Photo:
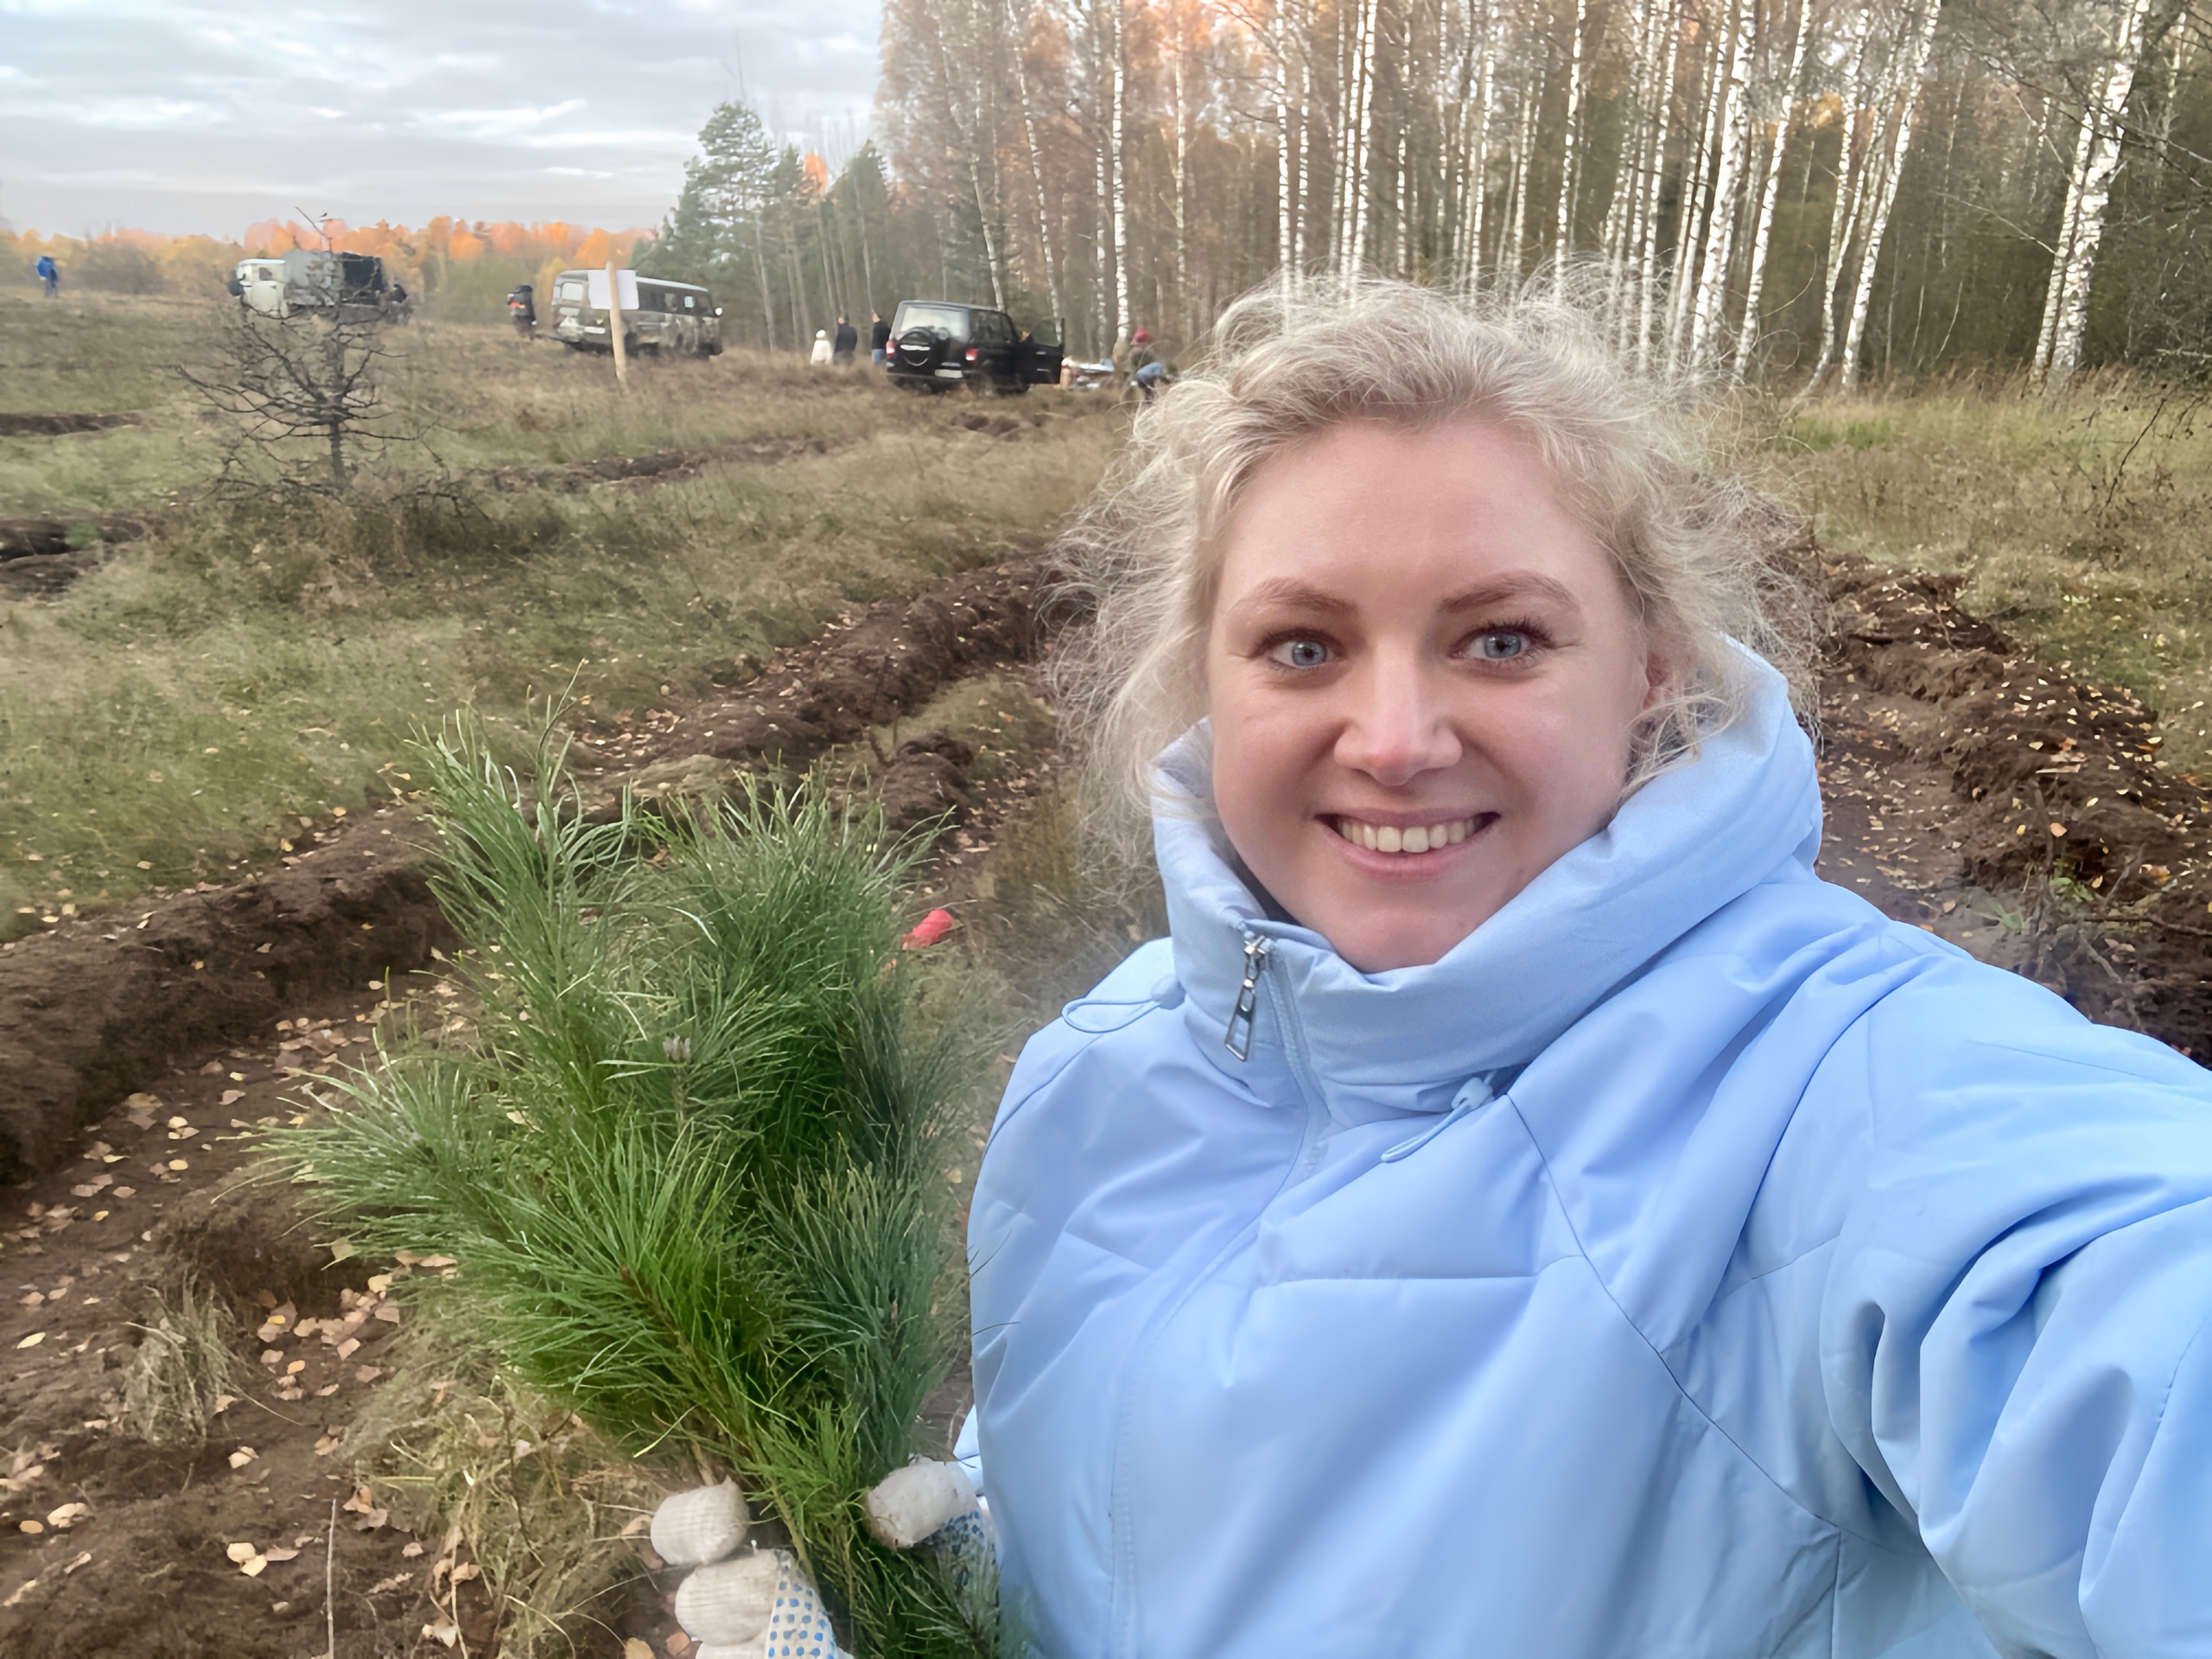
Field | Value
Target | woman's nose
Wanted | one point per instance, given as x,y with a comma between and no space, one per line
1397,726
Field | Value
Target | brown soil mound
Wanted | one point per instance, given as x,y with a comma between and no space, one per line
867,672
51,426
2039,795
24,538
95,1009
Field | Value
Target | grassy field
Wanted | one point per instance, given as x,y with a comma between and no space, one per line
2082,529
169,719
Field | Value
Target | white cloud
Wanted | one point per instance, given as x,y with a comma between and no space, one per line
161,113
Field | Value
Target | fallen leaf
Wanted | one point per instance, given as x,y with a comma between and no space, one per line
345,1349
380,1282
391,1583
224,1402
80,1561
125,1192
634,1649
445,1630
414,1547
326,1444
232,1097
463,1574
636,1524
21,1590
68,1515
178,1163
32,1340
255,1567
241,1552
30,1526
388,1312
365,1373
243,1456
374,1521
279,1554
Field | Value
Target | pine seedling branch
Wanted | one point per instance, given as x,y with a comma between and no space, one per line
690,1162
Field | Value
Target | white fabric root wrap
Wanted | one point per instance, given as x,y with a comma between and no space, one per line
728,1603
758,1607
910,1504
695,1528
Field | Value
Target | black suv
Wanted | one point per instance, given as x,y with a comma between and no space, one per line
937,344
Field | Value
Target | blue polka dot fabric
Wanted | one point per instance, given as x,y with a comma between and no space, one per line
798,1626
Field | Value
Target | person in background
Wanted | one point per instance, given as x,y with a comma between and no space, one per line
847,342
820,357
49,274
878,339
522,310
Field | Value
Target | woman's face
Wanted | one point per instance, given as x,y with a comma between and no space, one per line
1423,675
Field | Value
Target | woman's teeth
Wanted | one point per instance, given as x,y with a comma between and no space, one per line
1411,838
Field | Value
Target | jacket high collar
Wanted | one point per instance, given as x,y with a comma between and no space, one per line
1745,810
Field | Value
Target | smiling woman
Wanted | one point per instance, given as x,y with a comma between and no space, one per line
1523,1209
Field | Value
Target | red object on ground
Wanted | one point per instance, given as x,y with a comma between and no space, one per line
927,932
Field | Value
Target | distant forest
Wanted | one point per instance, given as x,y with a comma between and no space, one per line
1802,190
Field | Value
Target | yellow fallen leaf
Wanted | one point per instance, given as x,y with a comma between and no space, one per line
242,1457
32,1340
255,1567
241,1552
33,1526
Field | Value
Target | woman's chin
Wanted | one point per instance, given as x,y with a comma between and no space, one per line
1377,932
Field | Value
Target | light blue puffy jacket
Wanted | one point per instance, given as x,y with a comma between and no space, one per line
1693,1262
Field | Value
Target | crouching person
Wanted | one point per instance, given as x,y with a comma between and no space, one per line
1523,1208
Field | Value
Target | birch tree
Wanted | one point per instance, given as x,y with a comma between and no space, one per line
1770,187
2138,31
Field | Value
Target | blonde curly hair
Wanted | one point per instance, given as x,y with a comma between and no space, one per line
1626,453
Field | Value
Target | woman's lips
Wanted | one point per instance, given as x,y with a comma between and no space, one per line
1410,839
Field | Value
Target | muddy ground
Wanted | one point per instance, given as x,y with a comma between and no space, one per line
1994,800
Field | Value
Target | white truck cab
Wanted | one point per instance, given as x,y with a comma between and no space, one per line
260,284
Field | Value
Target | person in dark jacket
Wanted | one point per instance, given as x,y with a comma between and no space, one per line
846,342
522,309
878,339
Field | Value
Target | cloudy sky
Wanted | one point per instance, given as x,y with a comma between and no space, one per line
206,115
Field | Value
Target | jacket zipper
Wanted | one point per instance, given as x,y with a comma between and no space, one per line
1248,996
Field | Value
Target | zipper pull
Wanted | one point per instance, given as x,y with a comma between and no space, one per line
1248,996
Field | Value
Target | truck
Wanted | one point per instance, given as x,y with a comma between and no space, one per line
675,319
350,287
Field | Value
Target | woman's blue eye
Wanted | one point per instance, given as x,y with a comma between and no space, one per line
1501,646
1301,653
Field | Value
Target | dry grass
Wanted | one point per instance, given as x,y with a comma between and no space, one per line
184,1364
2081,528
253,664
467,1453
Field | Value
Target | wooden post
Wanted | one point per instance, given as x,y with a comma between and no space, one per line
614,325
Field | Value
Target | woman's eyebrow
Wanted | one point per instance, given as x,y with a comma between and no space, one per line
1294,594
1519,586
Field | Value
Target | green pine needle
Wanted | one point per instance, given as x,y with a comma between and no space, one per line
689,1165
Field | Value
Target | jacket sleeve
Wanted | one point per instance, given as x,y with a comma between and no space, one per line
2013,1330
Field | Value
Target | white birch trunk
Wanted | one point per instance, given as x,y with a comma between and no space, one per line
1655,183
1727,186
1570,146
2085,143
1509,258
1181,181
1770,189
1915,67
1843,213
1118,171
1477,184
2100,129
1697,199
1036,182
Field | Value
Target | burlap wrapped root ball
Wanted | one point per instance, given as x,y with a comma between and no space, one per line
693,1529
918,1502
